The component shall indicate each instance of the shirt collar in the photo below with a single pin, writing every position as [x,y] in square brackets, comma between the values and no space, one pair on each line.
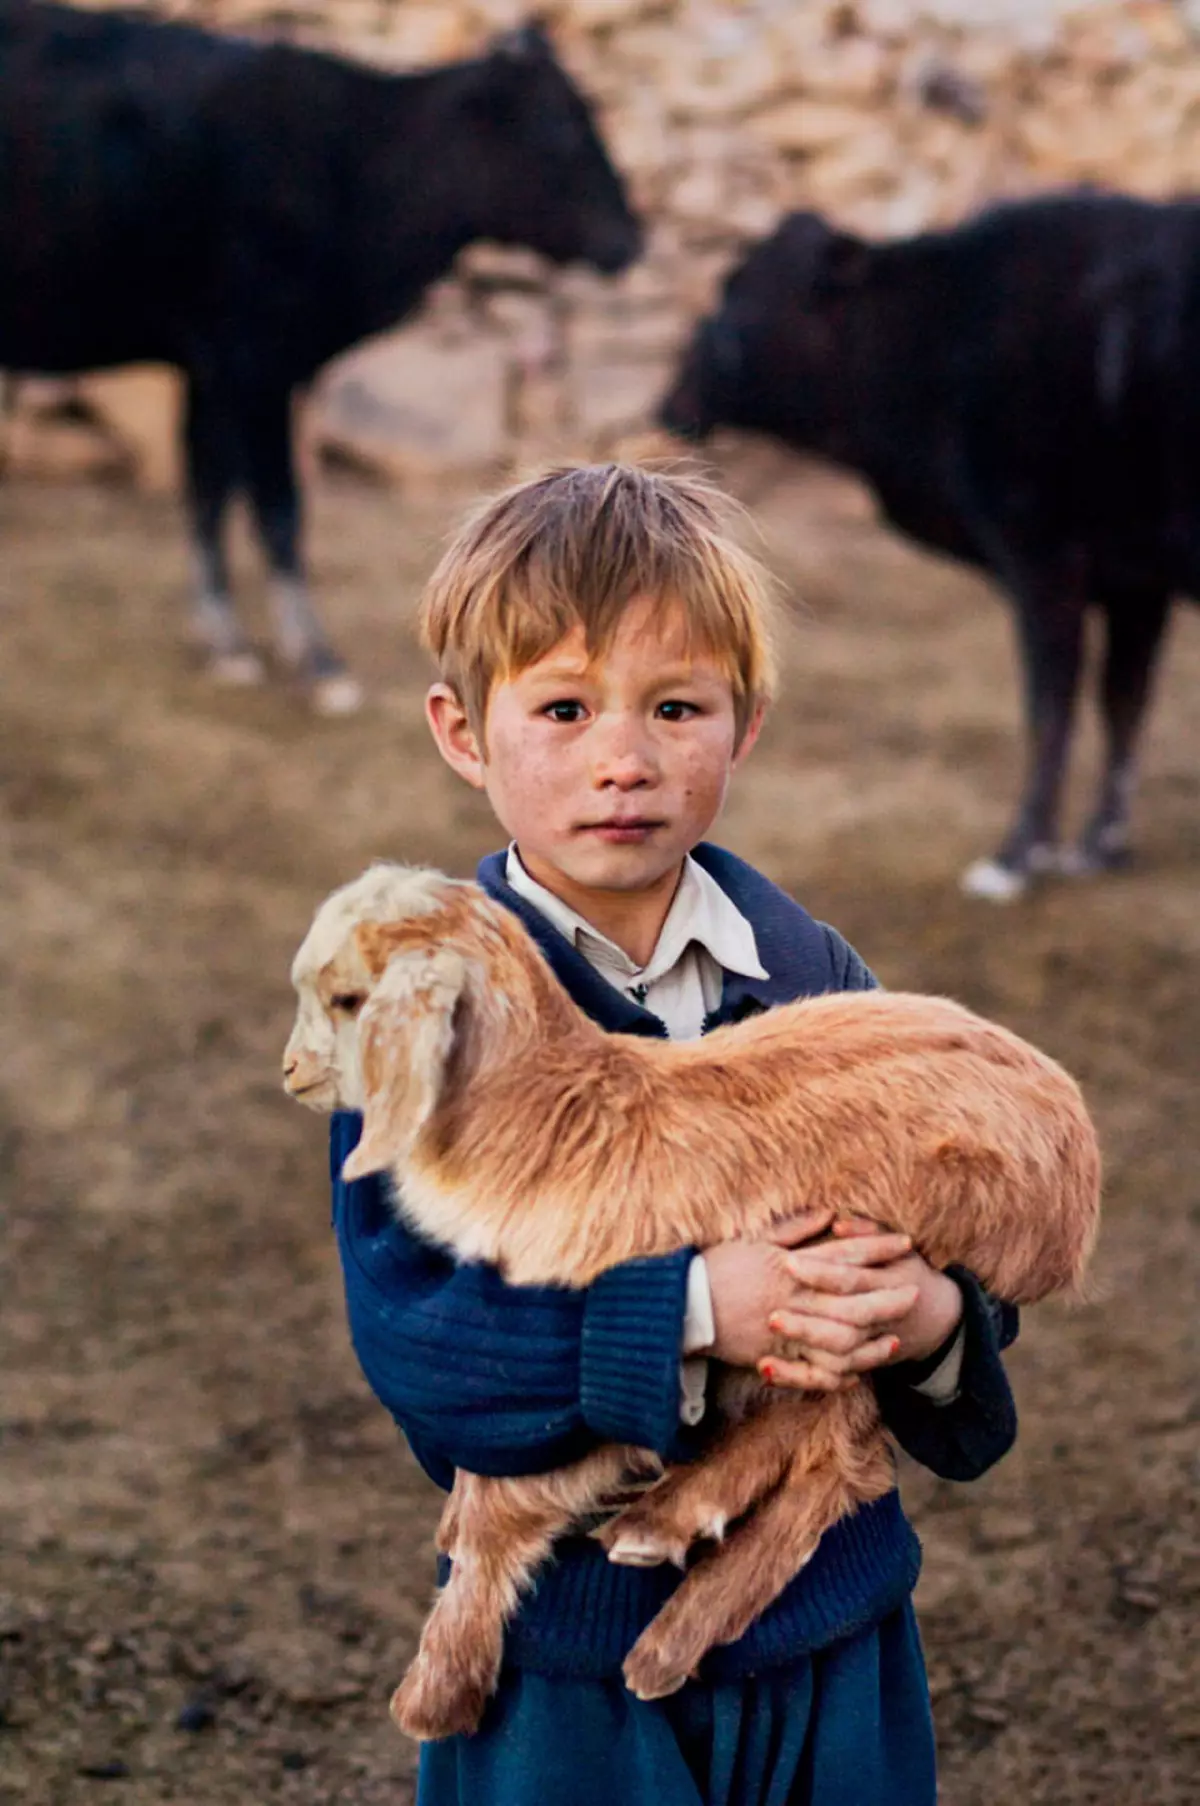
[700,912]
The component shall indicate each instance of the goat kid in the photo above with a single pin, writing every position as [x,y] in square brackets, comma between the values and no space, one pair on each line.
[517,1132]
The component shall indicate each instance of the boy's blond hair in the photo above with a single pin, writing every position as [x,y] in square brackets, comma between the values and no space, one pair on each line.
[571,548]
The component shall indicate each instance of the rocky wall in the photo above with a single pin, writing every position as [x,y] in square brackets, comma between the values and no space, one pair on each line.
[889,115]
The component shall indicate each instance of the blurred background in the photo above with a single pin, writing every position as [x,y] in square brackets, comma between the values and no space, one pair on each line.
[214,1549]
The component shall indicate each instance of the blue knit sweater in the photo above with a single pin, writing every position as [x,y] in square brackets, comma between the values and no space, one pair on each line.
[499,1379]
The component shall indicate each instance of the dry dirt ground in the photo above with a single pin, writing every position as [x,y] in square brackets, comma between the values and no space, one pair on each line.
[214,1548]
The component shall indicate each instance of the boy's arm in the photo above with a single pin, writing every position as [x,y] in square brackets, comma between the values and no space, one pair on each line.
[961,1437]
[501,1379]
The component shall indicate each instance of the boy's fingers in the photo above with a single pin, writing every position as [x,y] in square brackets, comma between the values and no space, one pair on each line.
[826,1335]
[804,1376]
[851,1226]
[859,1251]
[864,1310]
[838,1278]
[831,1371]
[800,1228]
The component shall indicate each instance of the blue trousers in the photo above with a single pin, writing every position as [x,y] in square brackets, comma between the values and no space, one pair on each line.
[850,1726]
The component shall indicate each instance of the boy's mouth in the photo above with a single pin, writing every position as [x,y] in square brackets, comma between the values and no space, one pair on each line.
[623,830]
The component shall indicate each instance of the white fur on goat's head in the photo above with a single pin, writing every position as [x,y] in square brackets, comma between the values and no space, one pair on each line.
[333,980]
[401,970]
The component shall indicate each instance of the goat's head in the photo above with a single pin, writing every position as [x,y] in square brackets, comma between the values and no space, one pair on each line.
[400,970]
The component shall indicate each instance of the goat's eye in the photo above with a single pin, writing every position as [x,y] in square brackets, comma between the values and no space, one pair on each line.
[347,1003]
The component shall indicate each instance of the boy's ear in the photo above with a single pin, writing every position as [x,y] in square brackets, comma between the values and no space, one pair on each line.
[453,734]
[752,730]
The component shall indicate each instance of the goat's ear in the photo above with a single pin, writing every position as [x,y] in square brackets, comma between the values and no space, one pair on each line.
[405,1034]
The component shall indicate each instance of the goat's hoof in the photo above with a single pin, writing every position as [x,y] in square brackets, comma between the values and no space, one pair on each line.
[652,1673]
[663,1526]
[427,1711]
[996,883]
[338,694]
[642,1548]
[240,670]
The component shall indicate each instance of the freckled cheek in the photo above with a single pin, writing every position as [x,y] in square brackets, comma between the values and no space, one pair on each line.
[703,777]
[527,777]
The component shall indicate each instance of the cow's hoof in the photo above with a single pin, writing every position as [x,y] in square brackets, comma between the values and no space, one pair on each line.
[339,694]
[997,883]
[241,670]
[1105,852]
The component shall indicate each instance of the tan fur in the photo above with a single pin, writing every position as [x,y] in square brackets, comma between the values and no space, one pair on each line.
[520,1133]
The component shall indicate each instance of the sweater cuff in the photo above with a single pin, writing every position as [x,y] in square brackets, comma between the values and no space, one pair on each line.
[629,1353]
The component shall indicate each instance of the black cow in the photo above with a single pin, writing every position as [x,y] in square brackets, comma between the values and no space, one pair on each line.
[245,210]
[1022,392]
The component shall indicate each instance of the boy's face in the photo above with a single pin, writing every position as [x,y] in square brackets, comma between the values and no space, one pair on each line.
[605,774]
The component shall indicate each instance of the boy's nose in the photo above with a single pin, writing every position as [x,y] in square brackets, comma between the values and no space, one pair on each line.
[626,766]
[623,754]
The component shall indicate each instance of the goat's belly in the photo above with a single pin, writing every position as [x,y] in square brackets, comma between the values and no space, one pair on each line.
[438,1215]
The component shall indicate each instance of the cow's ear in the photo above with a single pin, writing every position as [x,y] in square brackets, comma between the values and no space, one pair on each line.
[526,43]
[845,263]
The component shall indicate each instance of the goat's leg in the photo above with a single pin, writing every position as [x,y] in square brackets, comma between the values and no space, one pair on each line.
[504,1530]
[720,1597]
[446,1538]
[699,1501]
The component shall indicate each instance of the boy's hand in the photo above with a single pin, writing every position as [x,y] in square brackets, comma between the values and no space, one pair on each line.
[833,1288]
[864,1281]
[852,1304]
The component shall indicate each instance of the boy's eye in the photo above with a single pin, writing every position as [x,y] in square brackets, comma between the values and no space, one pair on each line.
[676,710]
[563,711]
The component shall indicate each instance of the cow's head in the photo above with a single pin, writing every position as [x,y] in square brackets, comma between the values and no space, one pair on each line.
[766,359]
[540,175]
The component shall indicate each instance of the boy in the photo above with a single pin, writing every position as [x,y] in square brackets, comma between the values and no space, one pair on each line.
[604,664]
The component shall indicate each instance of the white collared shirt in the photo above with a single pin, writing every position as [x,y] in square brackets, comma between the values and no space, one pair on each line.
[704,936]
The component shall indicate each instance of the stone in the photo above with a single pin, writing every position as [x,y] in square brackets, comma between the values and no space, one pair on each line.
[402,404]
[197,1714]
[613,396]
[142,407]
[850,69]
[724,81]
[427,34]
[697,194]
[863,164]
[603,15]
[1165,25]
[52,449]
[810,125]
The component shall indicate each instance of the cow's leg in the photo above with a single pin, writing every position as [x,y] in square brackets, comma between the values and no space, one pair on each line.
[1135,625]
[1050,634]
[212,458]
[275,498]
